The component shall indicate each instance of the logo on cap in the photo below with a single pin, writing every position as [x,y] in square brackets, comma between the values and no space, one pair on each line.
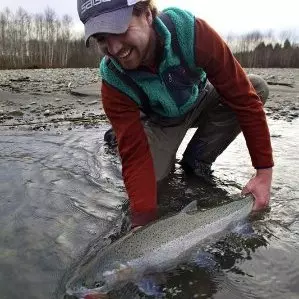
[91,3]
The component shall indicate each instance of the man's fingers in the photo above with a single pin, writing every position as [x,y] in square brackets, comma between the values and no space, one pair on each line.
[245,191]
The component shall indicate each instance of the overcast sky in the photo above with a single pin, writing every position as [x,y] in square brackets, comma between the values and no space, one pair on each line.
[229,16]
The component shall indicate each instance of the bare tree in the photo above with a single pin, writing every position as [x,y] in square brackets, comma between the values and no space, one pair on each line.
[39,29]
[45,40]
[50,18]
[66,36]
[21,20]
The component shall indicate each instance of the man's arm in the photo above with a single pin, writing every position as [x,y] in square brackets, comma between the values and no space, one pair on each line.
[137,163]
[231,82]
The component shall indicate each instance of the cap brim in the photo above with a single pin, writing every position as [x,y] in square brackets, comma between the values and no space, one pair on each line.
[115,22]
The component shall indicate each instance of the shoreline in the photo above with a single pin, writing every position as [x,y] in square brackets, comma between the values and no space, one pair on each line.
[70,98]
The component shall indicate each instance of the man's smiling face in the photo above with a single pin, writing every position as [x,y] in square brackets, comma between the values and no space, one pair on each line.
[131,48]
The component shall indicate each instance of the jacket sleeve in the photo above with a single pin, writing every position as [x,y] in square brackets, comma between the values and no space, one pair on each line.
[137,164]
[231,82]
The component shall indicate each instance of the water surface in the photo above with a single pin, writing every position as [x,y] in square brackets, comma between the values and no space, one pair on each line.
[62,192]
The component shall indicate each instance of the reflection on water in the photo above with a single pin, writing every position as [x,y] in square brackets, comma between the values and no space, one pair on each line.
[61,193]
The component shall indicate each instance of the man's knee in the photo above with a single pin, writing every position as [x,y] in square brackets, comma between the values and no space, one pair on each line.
[260,86]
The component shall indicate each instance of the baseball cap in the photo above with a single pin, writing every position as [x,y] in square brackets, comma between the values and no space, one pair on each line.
[105,16]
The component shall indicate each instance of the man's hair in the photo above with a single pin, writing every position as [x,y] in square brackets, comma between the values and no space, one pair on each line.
[141,7]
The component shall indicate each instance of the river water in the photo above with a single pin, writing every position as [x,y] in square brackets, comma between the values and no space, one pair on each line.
[61,192]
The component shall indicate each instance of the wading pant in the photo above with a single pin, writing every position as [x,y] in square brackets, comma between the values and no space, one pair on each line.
[217,126]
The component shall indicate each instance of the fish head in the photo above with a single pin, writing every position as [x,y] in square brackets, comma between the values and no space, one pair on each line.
[99,286]
[85,293]
[122,272]
[115,275]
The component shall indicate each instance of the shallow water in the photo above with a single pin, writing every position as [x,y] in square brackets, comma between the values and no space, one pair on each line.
[61,192]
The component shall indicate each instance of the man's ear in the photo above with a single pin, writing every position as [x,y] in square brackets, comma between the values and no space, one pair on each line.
[149,16]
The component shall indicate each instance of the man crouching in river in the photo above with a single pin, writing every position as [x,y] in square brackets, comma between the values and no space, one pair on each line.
[178,71]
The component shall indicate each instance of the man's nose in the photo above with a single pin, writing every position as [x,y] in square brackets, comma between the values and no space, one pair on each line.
[114,44]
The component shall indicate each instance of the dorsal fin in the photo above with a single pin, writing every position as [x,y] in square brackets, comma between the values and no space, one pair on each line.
[190,208]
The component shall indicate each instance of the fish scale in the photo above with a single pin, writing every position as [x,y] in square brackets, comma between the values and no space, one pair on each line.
[161,245]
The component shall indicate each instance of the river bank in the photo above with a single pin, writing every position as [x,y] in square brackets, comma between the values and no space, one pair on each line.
[69,98]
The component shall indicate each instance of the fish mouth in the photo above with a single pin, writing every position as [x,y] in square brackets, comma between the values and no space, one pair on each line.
[85,293]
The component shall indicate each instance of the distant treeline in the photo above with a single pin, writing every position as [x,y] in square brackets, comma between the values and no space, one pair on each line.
[41,41]
[45,41]
[252,50]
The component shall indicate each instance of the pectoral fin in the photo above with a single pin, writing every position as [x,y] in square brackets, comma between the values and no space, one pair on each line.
[150,285]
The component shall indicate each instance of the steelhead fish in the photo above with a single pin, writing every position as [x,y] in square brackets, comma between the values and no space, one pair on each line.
[159,246]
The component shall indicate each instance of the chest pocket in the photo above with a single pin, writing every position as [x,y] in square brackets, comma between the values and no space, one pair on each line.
[179,84]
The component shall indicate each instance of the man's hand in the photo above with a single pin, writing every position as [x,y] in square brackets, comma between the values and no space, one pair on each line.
[259,186]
